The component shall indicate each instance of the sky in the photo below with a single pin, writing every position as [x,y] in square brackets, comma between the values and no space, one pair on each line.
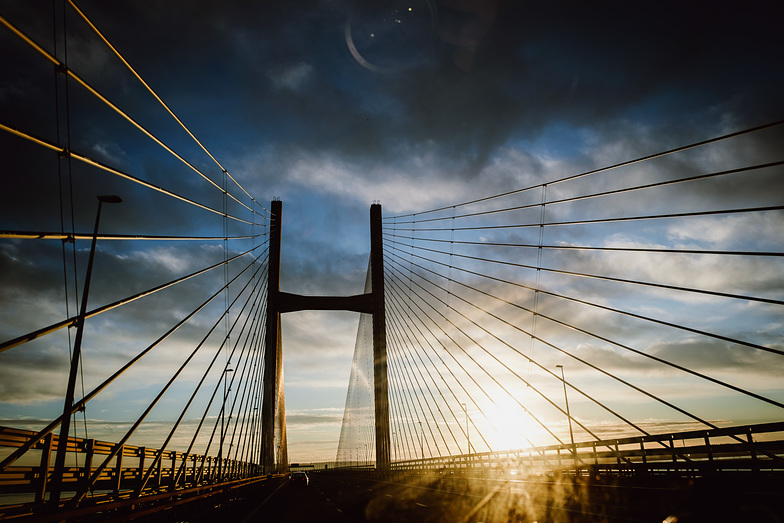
[329,106]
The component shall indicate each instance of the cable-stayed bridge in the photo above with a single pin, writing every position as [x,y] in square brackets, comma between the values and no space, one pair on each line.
[624,321]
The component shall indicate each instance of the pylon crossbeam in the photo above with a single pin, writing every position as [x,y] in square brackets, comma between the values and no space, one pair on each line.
[362,303]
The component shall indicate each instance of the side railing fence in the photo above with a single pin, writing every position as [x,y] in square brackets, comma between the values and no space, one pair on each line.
[23,486]
[753,449]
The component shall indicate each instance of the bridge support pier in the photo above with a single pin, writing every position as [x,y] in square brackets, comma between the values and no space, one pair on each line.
[380,386]
[280,302]
[272,344]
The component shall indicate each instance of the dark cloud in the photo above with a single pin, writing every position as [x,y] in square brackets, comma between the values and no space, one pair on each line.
[720,356]
[34,376]
[531,64]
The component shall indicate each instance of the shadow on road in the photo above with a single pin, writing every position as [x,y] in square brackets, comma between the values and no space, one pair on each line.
[341,497]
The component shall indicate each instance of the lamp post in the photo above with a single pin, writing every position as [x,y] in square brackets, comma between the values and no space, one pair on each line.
[422,445]
[65,421]
[468,437]
[223,417]
[569,417]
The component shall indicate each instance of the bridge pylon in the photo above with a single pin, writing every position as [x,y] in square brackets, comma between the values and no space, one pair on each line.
[279,302]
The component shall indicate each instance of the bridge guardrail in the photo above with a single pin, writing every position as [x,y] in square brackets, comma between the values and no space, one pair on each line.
[24,485]
[746,448]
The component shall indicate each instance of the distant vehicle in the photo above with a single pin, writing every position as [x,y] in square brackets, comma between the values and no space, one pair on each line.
[299,479]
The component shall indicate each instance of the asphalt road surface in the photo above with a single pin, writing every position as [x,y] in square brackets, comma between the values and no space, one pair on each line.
[345,498]
[336,497]
[339,498]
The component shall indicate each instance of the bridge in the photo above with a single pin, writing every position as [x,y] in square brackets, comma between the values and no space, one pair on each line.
[618,326]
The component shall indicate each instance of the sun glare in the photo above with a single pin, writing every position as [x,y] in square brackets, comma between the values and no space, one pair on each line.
[509,426]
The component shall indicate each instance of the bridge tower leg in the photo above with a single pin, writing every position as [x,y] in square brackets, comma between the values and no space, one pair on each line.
[272,344]
[381,394]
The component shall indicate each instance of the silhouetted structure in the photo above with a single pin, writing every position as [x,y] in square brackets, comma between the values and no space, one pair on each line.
[282,302]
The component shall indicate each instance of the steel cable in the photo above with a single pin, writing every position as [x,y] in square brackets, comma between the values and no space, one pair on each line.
[631,314]
[433,381]
[165,106]
[72,321]
[607,278]
[79,404]
[108,103]
[117,448]
[252,295]
[614,192]
[117,172]
[604,169]
[660,360]
[394,306]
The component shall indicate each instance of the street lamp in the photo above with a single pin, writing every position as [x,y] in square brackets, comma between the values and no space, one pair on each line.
[569,417]
[65,420]
[223,417]
[468,438]
[422,444]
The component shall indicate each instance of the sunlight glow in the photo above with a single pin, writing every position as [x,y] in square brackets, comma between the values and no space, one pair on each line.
[508,426]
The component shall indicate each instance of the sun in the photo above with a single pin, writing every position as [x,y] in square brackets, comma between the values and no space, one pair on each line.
[509,426]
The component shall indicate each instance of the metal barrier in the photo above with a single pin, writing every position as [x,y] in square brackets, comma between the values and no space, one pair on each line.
[177,477]
[742,449]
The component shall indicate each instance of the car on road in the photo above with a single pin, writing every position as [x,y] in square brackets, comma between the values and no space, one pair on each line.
[299,479]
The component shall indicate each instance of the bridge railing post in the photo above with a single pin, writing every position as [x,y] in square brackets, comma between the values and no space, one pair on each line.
[142,457]
[118,473]
[755,468]
[173,470]
[185,458]
[709,452]
[160,469]
[43,471]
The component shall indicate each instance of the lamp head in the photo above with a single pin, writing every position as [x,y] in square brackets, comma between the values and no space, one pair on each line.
[110,198]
